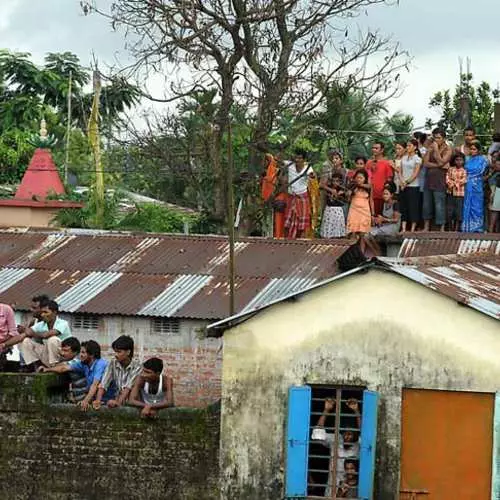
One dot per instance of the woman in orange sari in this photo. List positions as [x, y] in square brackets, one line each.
[271, 193]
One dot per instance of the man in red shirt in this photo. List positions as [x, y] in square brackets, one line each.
[379, 171]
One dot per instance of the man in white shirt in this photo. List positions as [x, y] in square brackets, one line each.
[298, 212]
[42, 342]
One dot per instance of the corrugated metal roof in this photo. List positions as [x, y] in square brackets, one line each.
[9, 277]
[473, 280]
[90, 286]
[425, 244]
[175, 296]
[101, 272]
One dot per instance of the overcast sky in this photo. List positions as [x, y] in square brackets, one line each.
[436, 33]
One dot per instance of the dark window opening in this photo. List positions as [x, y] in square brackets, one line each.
[334, 439]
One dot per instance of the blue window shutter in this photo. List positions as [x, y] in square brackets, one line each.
[495, 470]
[297, 444]
[368, 445]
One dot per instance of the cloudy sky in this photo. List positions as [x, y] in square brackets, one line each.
[436, 33]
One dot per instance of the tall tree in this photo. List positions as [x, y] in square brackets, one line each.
[465, 105]
[283, 54]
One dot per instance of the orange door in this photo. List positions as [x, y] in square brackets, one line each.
[446, 445]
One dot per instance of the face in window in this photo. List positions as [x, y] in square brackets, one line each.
[350, 471]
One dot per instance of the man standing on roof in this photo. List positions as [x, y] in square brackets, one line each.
[51, 331]
[379, 172]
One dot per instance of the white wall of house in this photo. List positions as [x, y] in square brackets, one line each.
[375, 329]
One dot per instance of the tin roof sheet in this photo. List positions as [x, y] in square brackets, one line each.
[425, 244]
[473, 280]
[99, 272]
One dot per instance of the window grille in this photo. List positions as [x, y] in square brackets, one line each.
[86, 322]
[166, 326]
[319, 464]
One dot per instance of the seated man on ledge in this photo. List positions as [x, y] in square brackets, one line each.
[86, 373]
[122, 372]
[42, 341]
[152, 391]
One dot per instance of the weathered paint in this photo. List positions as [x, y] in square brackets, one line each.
[495, 474]
[375, 330]
[447, 443]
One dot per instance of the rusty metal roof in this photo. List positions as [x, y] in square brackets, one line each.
[473, 279]
[99, 272]
[424, 244]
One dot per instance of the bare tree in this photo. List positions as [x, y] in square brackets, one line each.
[281, 54]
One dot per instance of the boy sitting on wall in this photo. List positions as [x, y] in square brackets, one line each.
[122, 372]
[152, 391]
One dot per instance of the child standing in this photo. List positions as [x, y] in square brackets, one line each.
[359, 220]
[456, 178]
[494, 206]
[333, 223]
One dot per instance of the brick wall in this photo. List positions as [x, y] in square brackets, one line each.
[194, 362]
[55, 452]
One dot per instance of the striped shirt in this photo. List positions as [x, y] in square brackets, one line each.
[122, 376]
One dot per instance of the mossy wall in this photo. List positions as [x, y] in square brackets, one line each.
[54, 451]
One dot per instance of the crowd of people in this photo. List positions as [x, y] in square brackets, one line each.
[47, 345]
[427, 185]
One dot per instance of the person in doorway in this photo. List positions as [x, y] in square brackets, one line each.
[152, 390]
[494, 203]
[333, 222]
[380, 171]
[348, 488]
[409, 178]
[348, 445]
[436, 161]
[456, 179]
[473, 214]
[388, 223]
[298, 211]
[469, 138]
[122, 372]
[42, 342]
[8, 331]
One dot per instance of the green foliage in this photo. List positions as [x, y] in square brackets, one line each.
[464, 106]
[153, 218]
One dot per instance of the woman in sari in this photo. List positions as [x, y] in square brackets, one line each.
[473, 215]
[273, 195]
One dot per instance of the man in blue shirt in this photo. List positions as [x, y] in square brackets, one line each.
[91, 368]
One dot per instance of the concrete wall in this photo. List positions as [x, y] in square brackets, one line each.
[26, 216]
[194, 361]
[56, 452]
[377, 330]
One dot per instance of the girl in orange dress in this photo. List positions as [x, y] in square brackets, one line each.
[270, 190]
[359, 219]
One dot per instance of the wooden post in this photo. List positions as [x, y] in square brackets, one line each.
[230, 216]
[68, 129]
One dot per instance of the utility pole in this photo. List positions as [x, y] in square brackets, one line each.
[68, 128]
[230, 216]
